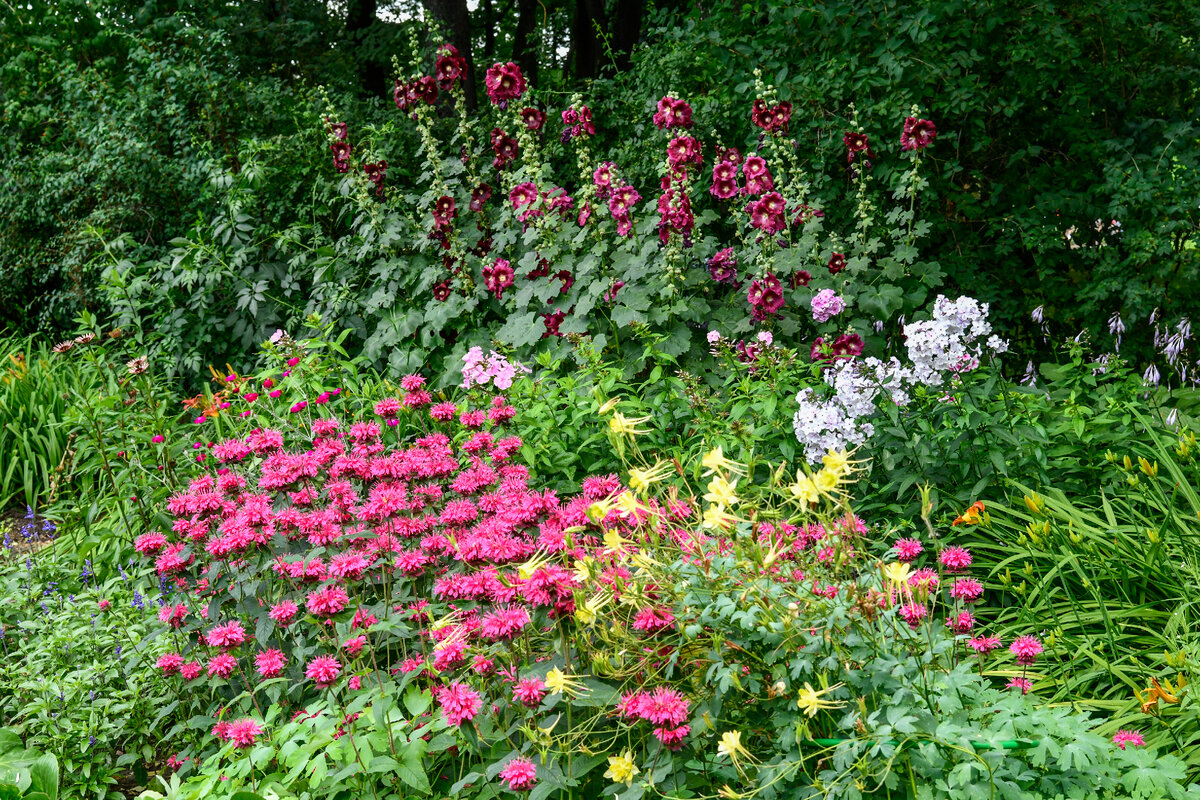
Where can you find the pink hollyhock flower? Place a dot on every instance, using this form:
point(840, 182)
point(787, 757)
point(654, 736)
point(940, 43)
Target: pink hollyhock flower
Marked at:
point(673, 113)
point(270, 663)
point(765, 296)
point(520, 774)
point(984, 644)
point(530, 691)
point(1026, 649)
point(170, 663)
point(955, 559)
point(1024, 684)
point(907, 550)
point(323, 671)
point(284, 612)
point(190, 671)
point(243, 732)
point(1124, 737)
point(459, 702)
point(966, 589)
point(221, 665)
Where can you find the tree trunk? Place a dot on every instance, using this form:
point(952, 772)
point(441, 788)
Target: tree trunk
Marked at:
point(455, 20)
point(360, 19)
point(524, 47)
point(626, 30)
point(489, 32)
point(588, 15)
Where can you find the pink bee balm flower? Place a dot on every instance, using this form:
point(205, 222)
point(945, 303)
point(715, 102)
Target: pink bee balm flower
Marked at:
point(226, 636)
point(221, 666)
point(355, 683)
point(459, 702)
point(966, 589)
point(530, 691)
point(327, 602)
point(149, 543)
point(103, 605)
point(955, 559)
point(354, 646)
point(907, 550)
point(1024, 684)
point(1124, 737)
point(323, 671)
point(411, 383)
point(962, 622)
point(1026, 649)
point(388, 407)
point(984, 644)
point(520, 774)
point(190, 671)
point(673, 738)
point(243, 732)
point(913, 613)
point(270, 663)
point(284, 612)
point(170, 663)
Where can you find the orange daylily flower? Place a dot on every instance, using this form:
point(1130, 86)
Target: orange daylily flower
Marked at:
point(972, 516)
point(1156, 691)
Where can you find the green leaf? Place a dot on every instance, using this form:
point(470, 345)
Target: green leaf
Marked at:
point(43, 775)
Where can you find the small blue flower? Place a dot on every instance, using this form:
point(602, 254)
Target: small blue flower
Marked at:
point(138, 602)
point(117, 652)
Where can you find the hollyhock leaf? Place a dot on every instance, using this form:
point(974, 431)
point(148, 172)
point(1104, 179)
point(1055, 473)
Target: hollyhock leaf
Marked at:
point(521, 329)
point(882, 301)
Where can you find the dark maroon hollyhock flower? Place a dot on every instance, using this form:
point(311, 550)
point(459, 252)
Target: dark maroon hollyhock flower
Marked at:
point(505, 147)
point(427, 89)
point(766, 214)
point(339, 130)
point(341, 155)
point(847, 345)
point(765, 296)
point(801, 278)
point(611, 294)
point(498, 277)
point(568, 280)
point(541, 271)
point(837, 263)
point(376, 173)
point(577, 122)
point(533, 118)
point(450, 66)
point(602, 179)
point(479, 197)
point(758, 178)
point(504, 83)
point(806, 213)
point(441, 291)
point(855, 143)
point(917, 134)
point(771, 118)
point(552, 321)
point(730, 155)
point(819, 351)
point(444, 211)
point(673, 113)
point(749, 353)
point(723, 266)
point(483, 246)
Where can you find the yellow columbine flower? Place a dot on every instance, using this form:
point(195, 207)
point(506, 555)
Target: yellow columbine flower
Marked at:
point(897, 573)
point(587, 613)
point(714, 461)
point(721, 492)
point(640, 479)
point(614, 541)
point(716, 518)
point(531, 566)
point(583, 572)
point(826, 481)
point(804, 490)
point(628, 505)
point(621, 769)
point(609, 405)
point(727, 793)
point(622, 425)
point(837, 461)
point(731, 745)
point(809, 700)
point(559, 682)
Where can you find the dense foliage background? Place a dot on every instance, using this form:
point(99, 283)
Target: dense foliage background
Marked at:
point(1065, 174)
